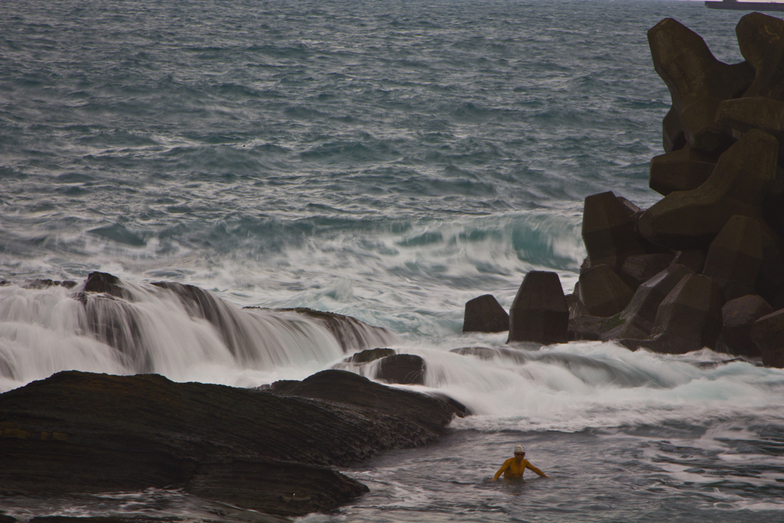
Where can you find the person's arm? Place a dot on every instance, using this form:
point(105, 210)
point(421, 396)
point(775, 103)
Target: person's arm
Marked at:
point(542, 474)
point(501, 470)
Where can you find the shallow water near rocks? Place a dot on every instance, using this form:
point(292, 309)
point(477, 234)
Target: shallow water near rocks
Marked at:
point(388, 161)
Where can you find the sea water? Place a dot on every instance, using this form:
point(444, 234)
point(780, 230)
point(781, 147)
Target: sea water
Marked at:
point(385, 160)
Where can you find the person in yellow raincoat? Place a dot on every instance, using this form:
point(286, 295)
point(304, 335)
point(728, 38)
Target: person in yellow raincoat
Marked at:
point(514, 467)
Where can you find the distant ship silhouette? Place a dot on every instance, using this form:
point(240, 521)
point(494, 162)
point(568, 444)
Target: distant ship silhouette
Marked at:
point(748, 6)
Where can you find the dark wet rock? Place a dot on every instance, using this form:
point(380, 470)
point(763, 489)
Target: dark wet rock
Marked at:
point(608, 231)
point(539, 312)
point(694, 259)
point(681, 170)
point(642, 267)
point(673, 137)
point(591, 327)
point(485, 314)
point(101, 282)
point(697, 82)
point(735, 257)
point(688, 319)
point(692, 219)
point(429, 414)
point(351, 333)
point(489, 353)
point(603, 292)
point(299, 488)
point(737, 316)
point(115, 322)
point(202, 304)
point(767, 333)
point(639, 316)
point(368, 355)
point(406, 369)
point(46, 283)
point(80, 432)
point(7, 519)
point(761, 42)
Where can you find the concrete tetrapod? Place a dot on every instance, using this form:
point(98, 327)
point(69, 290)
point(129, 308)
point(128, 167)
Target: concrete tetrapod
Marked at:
point(697, 81)
point(539, 312)
point(692, 219)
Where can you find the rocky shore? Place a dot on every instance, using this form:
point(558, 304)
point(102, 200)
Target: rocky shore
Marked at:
point(271, 450)
point(703, 267)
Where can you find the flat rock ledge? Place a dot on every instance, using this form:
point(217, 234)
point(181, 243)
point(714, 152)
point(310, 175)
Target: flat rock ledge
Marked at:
point(270, 450)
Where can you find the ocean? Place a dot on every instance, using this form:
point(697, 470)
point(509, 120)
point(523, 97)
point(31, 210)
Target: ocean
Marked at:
point(388, 161)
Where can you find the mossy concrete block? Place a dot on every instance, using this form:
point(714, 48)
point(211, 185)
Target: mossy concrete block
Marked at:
point(673, 137)
point(639, 315)
point(485, 314)
point(681, 170)
point(761, 42)
point(608, 230)
point(539, 312)
point(691, 312)
point(692, 219)
point(697, 81)
point(640, 268)
point(735, 257)
point(737, 317)
point(603, 292)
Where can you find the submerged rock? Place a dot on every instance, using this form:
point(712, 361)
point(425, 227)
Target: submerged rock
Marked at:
point(81, 432)
point(405, 369)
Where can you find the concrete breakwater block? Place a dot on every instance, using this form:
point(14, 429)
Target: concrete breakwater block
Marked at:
point(737, 317)
point(689, 318)
point(768, 335)
point(697, 81)
point(603, 292)
point(681, 170)
point(761, 42)
point(608, 230)
point(692, 219)
point(539, 312)
point(639, 315)
point(485, 314)
point(735, 257)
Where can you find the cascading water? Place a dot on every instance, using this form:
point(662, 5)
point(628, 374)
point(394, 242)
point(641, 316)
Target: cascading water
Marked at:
point(182, 332)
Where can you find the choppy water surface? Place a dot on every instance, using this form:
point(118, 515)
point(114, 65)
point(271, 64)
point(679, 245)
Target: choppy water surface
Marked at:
point(386, 160)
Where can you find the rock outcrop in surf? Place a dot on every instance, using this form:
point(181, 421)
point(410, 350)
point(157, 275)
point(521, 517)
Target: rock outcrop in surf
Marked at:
point(270, 450)
point(703, 267)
